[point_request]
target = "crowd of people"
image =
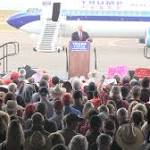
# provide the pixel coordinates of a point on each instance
(75, 114)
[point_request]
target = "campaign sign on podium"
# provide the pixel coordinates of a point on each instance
(79, 58)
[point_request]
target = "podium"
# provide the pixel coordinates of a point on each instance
(79, 58)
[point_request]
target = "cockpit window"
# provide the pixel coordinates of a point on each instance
(33, 10)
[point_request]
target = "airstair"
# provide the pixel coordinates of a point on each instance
(49, 36)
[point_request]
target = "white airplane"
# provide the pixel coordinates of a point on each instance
(101, 18)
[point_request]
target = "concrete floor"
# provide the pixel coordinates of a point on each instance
(110, 51)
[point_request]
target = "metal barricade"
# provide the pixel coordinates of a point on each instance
(6, 53)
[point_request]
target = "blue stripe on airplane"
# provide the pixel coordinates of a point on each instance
(108, 18)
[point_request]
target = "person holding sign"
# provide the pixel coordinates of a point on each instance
(80, 35)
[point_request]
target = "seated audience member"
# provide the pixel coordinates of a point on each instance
(131, 74)
(14, 76)
(145, 91)
(112, 110)
(36, 138)
(122, 116)
(19, 94)
(78, 142)
(129, 137)
(59, 147)
(4, 121)
(57, 92)
(22, 74)
(137, 118)
(104, 142)
(14, 137)
(110, 129)
(2, 101)
(27, 93)
(43, 92)
(54, 139)
(103, 109)
(58, 114)
(91, 90)
(146, 128)
(76, 84)
(131, 106)
(124, 92)
(118, 79)
(85, 125)
(77, 97)
(115, 95)
(112, 103)
(125, 81)
(134, 82)
(29, 111)
(67, 100)
(141, 107)
(96, 100)
(104, 93)
(10, 107)
(49, 125)
(86, 108)
(9, 96)
(94, 131)
(135, 94)
(71, 122)
(12, 87)
(55, 80)
(45, 77)
(12, 100)
(80, 35)
(67, 85)
(36, 95)
(29, 71)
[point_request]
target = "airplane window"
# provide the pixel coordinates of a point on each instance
(33, 10)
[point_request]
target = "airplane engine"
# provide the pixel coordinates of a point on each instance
(147, 44)
(142, 40)
(147, 38)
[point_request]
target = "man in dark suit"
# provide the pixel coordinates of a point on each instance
(80, 35)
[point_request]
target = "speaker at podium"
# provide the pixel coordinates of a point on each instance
(79, 58)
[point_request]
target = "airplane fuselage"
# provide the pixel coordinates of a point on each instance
(101, 18)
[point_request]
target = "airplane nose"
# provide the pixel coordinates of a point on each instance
(20, 20)
(15, 21)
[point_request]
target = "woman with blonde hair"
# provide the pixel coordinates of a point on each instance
(140, 107)
(78, 142)
(87, 107)
(54, 139)
(14, 137)
(131, 105)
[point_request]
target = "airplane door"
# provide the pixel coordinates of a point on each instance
(56, 11)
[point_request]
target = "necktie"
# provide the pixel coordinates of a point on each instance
(80, 36)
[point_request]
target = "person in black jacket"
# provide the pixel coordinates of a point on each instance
(80, 35)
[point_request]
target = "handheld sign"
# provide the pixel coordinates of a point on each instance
(142, 72)
(120, 70)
